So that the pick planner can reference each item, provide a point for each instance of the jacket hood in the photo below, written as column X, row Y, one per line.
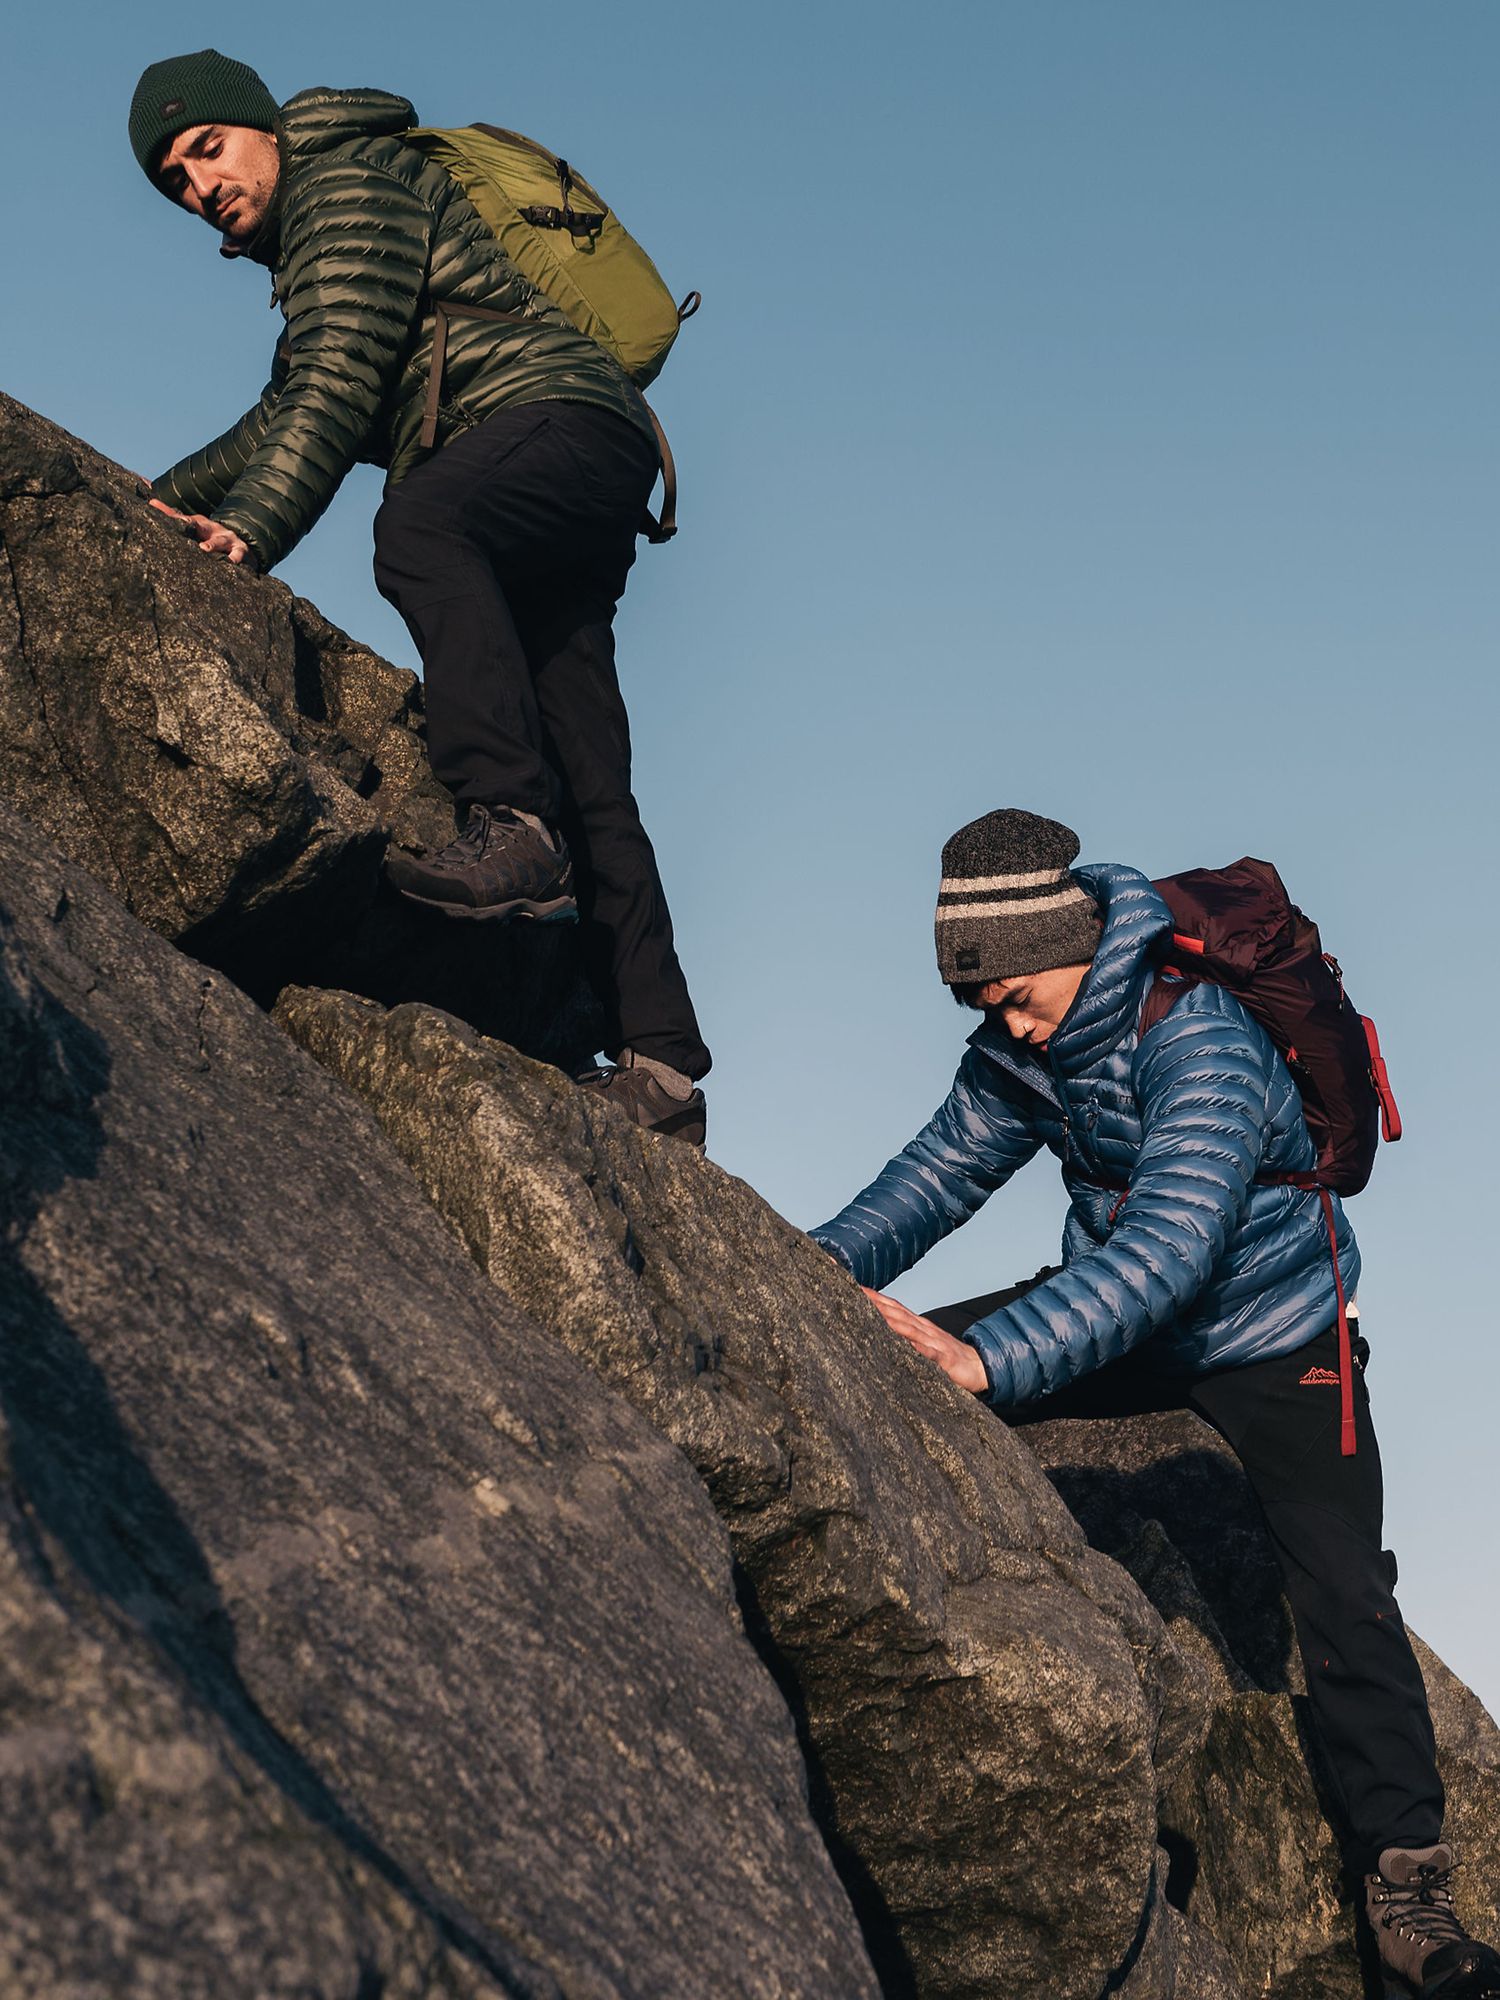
column 311, row 123
column 1109, row 1001
column 1108, row 1006
column 314, row 120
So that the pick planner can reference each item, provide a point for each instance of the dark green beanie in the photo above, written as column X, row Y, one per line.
column 205, row 89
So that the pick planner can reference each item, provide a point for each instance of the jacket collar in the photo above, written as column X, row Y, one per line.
column 1108, row 1004
column 311, row 123
column 1029, row 1070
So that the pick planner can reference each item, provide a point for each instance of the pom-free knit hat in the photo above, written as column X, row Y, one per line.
column 1007, row 903
column 201, row 89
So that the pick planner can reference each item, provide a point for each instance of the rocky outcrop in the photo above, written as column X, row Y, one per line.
column 987, row 1706
column 373, row 1625
column 1165, row 1496
column 356, row 1641
column 227, row 763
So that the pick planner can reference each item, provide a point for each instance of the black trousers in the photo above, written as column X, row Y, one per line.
column 506, row 554
column 1323, row 1514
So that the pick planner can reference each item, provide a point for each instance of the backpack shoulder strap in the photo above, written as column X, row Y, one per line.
column 1162, row 996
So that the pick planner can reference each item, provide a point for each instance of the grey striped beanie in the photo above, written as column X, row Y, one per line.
column 1008, row 904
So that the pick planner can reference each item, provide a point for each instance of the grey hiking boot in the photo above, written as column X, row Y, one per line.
column 1424, row 1949
column 659, row 1099
column 502, row 865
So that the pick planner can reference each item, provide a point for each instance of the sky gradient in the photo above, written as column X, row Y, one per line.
column 1092, row 409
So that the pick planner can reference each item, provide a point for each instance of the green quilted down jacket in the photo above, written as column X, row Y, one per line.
column 365, row 234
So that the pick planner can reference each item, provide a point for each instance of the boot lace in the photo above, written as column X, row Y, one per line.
column 475, row 834
column 1423, row 1908
column 482, row 830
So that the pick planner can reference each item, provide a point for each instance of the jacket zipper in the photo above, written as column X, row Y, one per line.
column 1062, row 1105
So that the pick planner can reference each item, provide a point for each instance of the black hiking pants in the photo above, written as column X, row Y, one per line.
column 506, row 554
column 1323, row 1514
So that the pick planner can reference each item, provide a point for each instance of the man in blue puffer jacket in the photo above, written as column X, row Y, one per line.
column 1189, row 1280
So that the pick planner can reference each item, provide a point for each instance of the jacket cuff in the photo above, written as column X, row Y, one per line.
column 834, row 1248
column 227, row 518
column 995, row 1352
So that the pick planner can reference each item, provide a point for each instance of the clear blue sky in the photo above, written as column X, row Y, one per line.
column 1092, row 409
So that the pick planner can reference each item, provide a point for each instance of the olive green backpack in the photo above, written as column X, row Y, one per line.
column 563, row 236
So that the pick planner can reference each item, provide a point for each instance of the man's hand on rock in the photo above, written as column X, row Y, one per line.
column 211, row 536
column 958, row 1362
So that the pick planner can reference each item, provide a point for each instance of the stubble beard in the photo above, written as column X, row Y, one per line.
column 252, row 204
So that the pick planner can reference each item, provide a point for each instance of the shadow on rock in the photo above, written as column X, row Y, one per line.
column 877, row 1921
column 520, row 981
column 1202, row 1503
column 82, row 1487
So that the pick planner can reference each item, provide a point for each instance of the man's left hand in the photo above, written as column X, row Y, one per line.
column 957, row 1360
column 211, row 536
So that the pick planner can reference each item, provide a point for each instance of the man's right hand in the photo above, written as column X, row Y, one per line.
column 211, row 536
column 958, row 1361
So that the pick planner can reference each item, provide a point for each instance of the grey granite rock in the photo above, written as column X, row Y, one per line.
column 228, row 763
column 355, row 1640
column 984, row 1701
column 1178, row 1959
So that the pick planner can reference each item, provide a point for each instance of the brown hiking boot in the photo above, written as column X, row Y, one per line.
column 632, row 1088
column 1409, row 1903
column 500, row 866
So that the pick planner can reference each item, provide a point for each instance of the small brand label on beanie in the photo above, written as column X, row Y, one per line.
column 171, row 108
column 968, row 961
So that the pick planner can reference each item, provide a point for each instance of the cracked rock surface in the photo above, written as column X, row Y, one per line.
column 354, row 1639
column 228, row 763
column 989, row 1708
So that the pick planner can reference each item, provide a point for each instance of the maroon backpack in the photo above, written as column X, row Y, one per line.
column 1238, row 927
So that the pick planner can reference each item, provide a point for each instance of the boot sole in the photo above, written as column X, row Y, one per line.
column 1485, row 1987
column 691, row 1130
column 562, row 910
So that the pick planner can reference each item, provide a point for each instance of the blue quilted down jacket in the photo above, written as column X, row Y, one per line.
column 1211, row 1268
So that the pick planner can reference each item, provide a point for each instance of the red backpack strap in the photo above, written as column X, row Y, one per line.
column 1346, row 1357
column 1390, row 1117
column 1310, row 1184
column 1165, row 990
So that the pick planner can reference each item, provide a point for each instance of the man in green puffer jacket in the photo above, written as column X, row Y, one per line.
column 505, row 547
